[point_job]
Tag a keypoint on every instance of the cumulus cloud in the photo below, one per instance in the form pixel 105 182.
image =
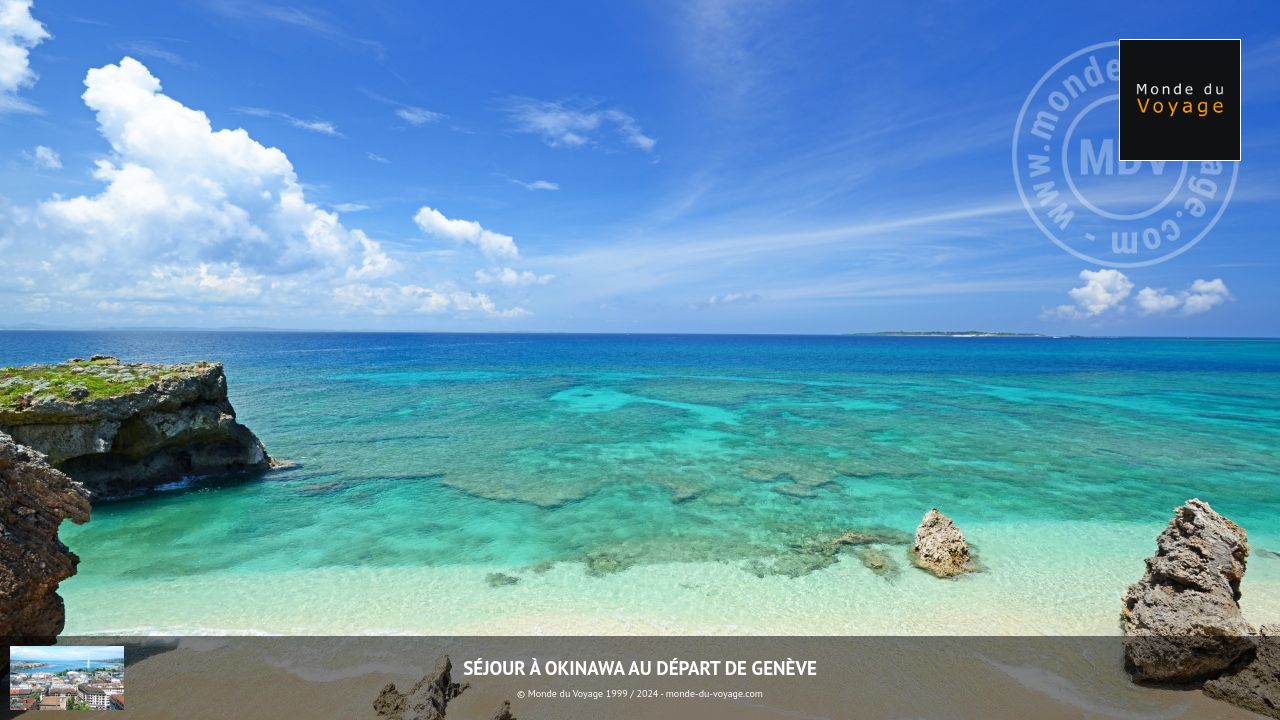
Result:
pixel 391 299
pixel 417 116
pixel 1103 290
pixel 176 189
pixel 1202 296
pixel 377 158
pixel 222 281
pixel 493 245
pixel 561 125
pixel 324 127
pixel 191 218
pixel 43 158
pixel 511 277
pixel 1107 290
pixel 19 32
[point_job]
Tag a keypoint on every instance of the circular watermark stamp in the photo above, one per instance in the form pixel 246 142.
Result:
pixel 1082 196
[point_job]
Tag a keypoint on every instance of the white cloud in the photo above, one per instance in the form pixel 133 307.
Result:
pixel 350 207
pixel 324 127
pixel 1203 296
pixel 511 277
pixel 1153 301
pixel 219 281
pixel 537 184
pixel 209 223
pixel 733 298
pixel 560 125
pixel 493 245
pixel 19 32
pixel 397 299
pixel 377 158
pixel 417 116
pixel 178 190
pixel 1103 290
pixel 43 158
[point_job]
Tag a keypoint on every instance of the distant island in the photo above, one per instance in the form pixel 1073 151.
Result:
pixel 950 333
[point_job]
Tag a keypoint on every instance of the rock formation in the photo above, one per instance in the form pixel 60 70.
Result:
pixel 504 712
pixel 121 429
pixel 1257 686
pixel 34 500
pixel 940 547
pixel 1182 621
pixel 426 701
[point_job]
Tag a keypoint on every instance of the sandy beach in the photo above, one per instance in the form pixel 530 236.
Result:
pixel 872 678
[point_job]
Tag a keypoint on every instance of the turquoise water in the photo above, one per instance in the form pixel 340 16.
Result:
pixel 681 484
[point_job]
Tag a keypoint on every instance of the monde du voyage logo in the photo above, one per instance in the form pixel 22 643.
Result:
pixel 1131 164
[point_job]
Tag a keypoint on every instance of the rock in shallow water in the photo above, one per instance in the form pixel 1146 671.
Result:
pixel 940 547
pixel 1182 621
pixel 34 500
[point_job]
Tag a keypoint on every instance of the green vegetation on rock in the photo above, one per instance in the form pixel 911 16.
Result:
pixel 76 381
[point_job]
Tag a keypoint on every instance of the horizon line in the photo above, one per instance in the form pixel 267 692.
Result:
pixel 928 334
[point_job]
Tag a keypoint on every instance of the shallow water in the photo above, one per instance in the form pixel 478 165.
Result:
pixel 681 483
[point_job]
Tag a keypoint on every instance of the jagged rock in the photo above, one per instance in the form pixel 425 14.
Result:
pixel 1182 621
pixel 34 500
pixel 427 700
pixel 940 547
pixel 1257 686
pixel 122 429
pixel 504 712
pixel 389 703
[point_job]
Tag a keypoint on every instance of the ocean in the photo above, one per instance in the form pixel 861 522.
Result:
pixel 444 484
pixel 55 666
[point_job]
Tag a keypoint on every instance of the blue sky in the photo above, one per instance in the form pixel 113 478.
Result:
pixel 67 653
pixel 598 167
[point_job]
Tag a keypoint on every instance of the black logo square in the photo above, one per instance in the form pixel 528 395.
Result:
pixel 1179 99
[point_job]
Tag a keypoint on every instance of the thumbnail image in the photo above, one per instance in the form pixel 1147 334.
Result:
pixel 66 677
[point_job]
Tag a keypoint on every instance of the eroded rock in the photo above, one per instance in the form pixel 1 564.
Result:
pixel 1257 686
pixel 940 547
pixel 1182 621
pixel 121 429
pixel 427 700
pixel 34 499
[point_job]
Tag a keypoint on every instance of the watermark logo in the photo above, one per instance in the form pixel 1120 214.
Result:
pixel 1099 208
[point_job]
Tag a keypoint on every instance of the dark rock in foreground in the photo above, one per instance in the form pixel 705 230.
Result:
pixel 940 547
pixel 1257 686
pixel 34 500
pixel 121 429
pixel 1182 622
pixel 427 700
